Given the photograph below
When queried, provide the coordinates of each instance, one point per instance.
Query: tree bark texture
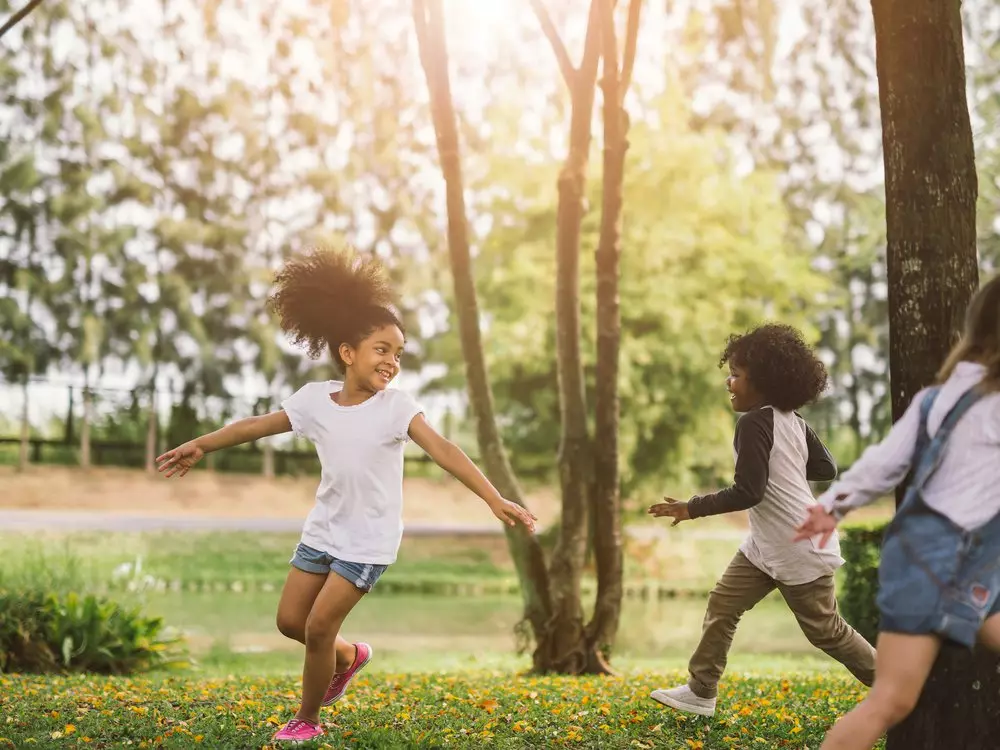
(575, 450)
(606, 497)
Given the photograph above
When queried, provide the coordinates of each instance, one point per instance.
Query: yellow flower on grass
(695, 744)
(69, 729)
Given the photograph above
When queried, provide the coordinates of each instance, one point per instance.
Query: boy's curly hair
(779, 364)
(325, 298)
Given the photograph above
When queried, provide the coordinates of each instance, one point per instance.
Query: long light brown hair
(980, 340)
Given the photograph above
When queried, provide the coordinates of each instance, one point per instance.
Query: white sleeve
(881, 467)
(404, 409)
(299, 409)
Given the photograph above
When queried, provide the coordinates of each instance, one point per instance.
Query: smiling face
(742, 395)
(373, 363)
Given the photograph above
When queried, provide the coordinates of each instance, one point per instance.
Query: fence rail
(244, 460)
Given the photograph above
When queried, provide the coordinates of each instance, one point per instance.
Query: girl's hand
(819, 521)
(512, 513)
(674, 509)
(180, 459)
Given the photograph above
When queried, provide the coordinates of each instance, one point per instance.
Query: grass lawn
(428, 710)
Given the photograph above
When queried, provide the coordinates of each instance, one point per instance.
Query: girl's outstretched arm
(880, 468)
(452, 459)
(182, 458)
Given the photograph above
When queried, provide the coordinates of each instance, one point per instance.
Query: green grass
(495, 709)
(685, 560)
(224, 556)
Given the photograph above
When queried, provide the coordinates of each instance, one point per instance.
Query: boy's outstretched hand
(512, 513)
(819, 521)
(674, 509)
(180, 459)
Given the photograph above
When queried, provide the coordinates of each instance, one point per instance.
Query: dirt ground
(205, 493)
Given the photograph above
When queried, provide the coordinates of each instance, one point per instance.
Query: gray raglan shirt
(777, 455)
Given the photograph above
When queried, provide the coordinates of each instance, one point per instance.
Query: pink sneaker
(339, 683)
(298, 730)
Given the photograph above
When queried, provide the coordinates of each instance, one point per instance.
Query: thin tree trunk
(151, 430)
(268, 460)
(931, 190)
(606, 498)
(88, 400)
(526, 551)
(24, 449)
(575, 449)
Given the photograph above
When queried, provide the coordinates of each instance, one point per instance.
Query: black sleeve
(753, 442)
(820, 466)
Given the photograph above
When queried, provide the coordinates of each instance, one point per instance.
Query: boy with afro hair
(772, 374)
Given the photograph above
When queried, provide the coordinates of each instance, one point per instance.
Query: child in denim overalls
(940, 572)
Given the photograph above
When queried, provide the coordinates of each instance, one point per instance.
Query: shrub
(43, 631)
(861, 546)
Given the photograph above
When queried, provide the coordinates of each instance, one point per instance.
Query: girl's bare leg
(902, 663)
(335, 601)
(989, 633)
(297, 599)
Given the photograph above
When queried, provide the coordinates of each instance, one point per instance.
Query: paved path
(38, 520)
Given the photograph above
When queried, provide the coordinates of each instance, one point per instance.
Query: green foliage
(56, 631)
(50, 622)
(704, 254)
(861, 546)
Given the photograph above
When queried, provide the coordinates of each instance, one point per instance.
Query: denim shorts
(362, 575)
(937, 578)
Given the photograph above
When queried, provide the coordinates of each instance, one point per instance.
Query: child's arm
(182, 458)
(753, 442)
(820, 466)
(452, 459)
(880, 468)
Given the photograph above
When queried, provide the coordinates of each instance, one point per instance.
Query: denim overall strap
(911, 497)
(931, 450)
(927, 455)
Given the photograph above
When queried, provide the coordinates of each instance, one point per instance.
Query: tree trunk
(268, 460)
(931, 190)
(24, 451)
(88, 400)
(575, 449)
(151, 430)
(527, 553)
(606, 498)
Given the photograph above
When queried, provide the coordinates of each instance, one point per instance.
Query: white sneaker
(683, 699)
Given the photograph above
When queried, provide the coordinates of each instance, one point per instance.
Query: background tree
(525, 549)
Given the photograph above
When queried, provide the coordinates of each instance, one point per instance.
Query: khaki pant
(814, 605)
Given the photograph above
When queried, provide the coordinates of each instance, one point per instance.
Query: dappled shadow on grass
(422, 710)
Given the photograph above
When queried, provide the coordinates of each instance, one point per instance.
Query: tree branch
(609, 53)
(15, 19)
(549, 28)
(631, 41)
(592, 45)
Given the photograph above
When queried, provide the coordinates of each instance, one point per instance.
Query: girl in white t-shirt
(359, 427)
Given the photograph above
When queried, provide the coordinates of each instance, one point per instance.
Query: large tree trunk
(575, 449)
(606, 498)
(527, 553)
(931, 190)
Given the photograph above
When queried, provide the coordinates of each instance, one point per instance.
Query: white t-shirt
(358, 516)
